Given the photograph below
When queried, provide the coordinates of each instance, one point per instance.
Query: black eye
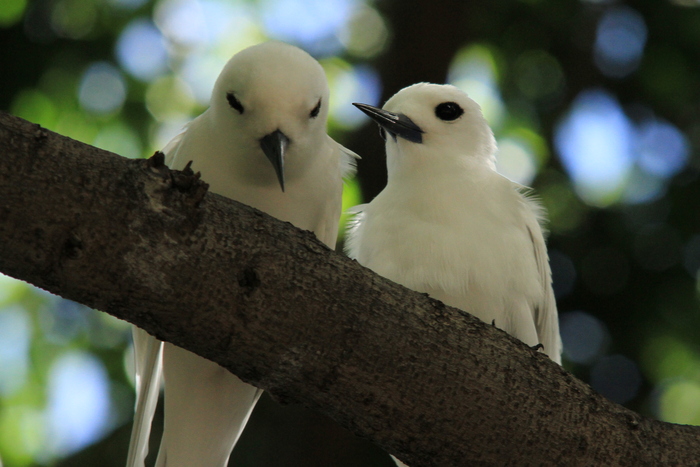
(233, 102)
(448, 111)
(382, 133)
(315, 110)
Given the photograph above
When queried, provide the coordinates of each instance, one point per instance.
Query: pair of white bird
(469, 236)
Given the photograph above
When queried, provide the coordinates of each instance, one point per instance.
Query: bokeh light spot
(349, 84)
(203, 28)
(665, 357)
(15, 334)
(102, 89)
(73, 19)
(140, 50)
(617, 378)
(62, 320)
(585, 337)
(10, 289)
(594, 143)
(679, 402)
(475, 71)
(200, 73)
(538, 75)
(643, 187)
(366, 33)
(22, 434)
(78, 406)
(169, 98)
(11, 11)
(76, 124)
(119, 138)
(515, 161)
(182, 21)
(620, 40)
(314, 24)
(662, 149)
(35, 106)
(564, 209)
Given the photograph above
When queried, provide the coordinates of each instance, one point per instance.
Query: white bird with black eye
(448, 224)
(469, 236)
(262, 142)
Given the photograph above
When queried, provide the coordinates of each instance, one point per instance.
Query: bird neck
(417, 165)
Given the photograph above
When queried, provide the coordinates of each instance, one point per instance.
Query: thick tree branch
(276, 307)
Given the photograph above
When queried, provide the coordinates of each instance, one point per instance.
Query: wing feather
(148, 353)
(148, 359)
(545, 312)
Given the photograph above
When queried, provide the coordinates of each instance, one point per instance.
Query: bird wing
(348, 160)
(545, 312)
(353, 234)
(327, 232)
(206, 410)
(206, 406)
(148, 353)
(148, 359)
(170, 149)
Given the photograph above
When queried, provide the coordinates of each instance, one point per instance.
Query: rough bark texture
(269, 302)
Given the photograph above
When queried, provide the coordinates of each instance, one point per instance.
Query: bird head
(430, 124)
(271, 103)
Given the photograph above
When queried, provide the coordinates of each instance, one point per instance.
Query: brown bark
(269, 302)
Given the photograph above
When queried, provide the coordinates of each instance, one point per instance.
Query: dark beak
(274, 145)
(394, 124)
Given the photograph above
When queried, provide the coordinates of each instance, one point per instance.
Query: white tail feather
(148, 354)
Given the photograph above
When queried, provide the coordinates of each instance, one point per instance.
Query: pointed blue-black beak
(394, 124)
(274, 145)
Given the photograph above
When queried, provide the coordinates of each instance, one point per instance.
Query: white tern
(262, 142)
(448, 224)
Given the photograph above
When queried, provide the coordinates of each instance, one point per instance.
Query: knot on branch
(40, 134)
(632, 421)
(156, 161)
(72, 247)
(185, 181)
(188, 181)
(249, 280)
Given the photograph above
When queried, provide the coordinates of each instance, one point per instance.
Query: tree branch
(272, 304)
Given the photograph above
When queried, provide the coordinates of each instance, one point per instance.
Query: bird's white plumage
(148, 354)
(278, 86)
(448, 224)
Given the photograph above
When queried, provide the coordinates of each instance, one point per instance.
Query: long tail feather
(148, 356)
